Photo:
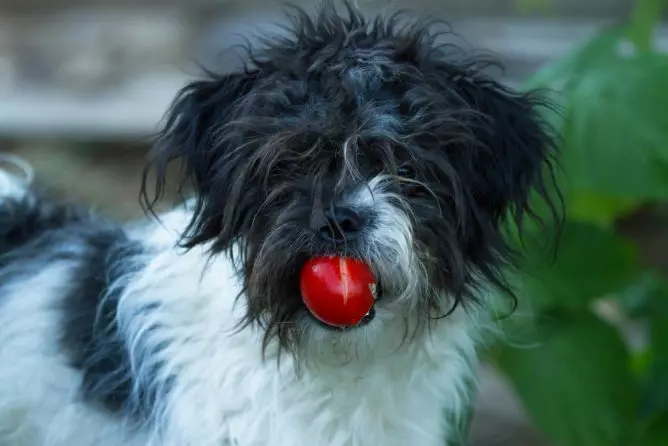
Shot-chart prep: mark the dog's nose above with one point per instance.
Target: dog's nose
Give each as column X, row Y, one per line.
column 341, row 223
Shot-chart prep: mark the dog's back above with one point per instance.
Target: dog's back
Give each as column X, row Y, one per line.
column 50, row 287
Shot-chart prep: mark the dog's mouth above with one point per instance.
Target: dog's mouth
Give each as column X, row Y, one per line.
column 366, row 320
column 377, row 288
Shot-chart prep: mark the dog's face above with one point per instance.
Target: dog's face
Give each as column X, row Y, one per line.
column 363, row 139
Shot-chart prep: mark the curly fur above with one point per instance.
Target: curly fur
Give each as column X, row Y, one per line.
column 343, row 136
column 335, row 102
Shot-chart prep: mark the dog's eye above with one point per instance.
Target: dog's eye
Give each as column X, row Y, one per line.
column 409, row 184
column 415, row 190
column 406, row 172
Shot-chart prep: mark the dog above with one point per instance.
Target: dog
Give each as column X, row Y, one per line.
column 346, row 135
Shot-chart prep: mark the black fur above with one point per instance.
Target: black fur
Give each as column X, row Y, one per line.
column 35, row 233
column 263, row 149
column 24, row 222
column 90, row 329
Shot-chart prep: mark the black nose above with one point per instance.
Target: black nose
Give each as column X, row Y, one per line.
column 341, row 223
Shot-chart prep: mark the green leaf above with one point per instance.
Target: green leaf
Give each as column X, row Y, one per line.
column 648, row 299
column 576, row 383
column 586, row 206
column 645, row 16
column 655, row 433
column 616, row 128
column 614, row 123
column 598, row 209
column 560, row 73
column 656, row 394
column 640, row 361
column 591, row 262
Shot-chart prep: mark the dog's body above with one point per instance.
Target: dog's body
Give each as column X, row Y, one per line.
column 348, row 138
column 224, row 389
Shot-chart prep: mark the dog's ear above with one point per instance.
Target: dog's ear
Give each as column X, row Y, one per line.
column 515, row 151
column 191, row 137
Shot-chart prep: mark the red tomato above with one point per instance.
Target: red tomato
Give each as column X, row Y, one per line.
column 339, row 291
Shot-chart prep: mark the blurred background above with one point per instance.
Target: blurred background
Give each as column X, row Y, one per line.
column 84, row 83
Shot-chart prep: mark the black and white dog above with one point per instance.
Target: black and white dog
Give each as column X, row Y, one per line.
column 347, row 136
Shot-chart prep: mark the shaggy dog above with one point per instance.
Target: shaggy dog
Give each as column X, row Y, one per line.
column 344, row 136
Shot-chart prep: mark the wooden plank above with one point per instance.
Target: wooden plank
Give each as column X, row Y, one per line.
column 568, row 8
column 132, row 110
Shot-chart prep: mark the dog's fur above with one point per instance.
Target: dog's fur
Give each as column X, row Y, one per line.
column 346, row 136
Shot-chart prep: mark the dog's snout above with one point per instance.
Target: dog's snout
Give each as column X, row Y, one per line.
column 341, row 223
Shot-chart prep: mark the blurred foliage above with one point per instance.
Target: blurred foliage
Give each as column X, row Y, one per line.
column 580, row 379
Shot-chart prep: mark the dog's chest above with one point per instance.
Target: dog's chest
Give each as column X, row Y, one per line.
column 221, row 391
column 399, row 402
column 372, row 410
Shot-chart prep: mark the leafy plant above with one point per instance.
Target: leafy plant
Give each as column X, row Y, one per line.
column 576, row 373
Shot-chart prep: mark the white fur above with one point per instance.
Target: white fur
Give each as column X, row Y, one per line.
column 221, row 390
column 392, row 238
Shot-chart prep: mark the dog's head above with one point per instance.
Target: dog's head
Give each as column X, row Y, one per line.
column 361, row 138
